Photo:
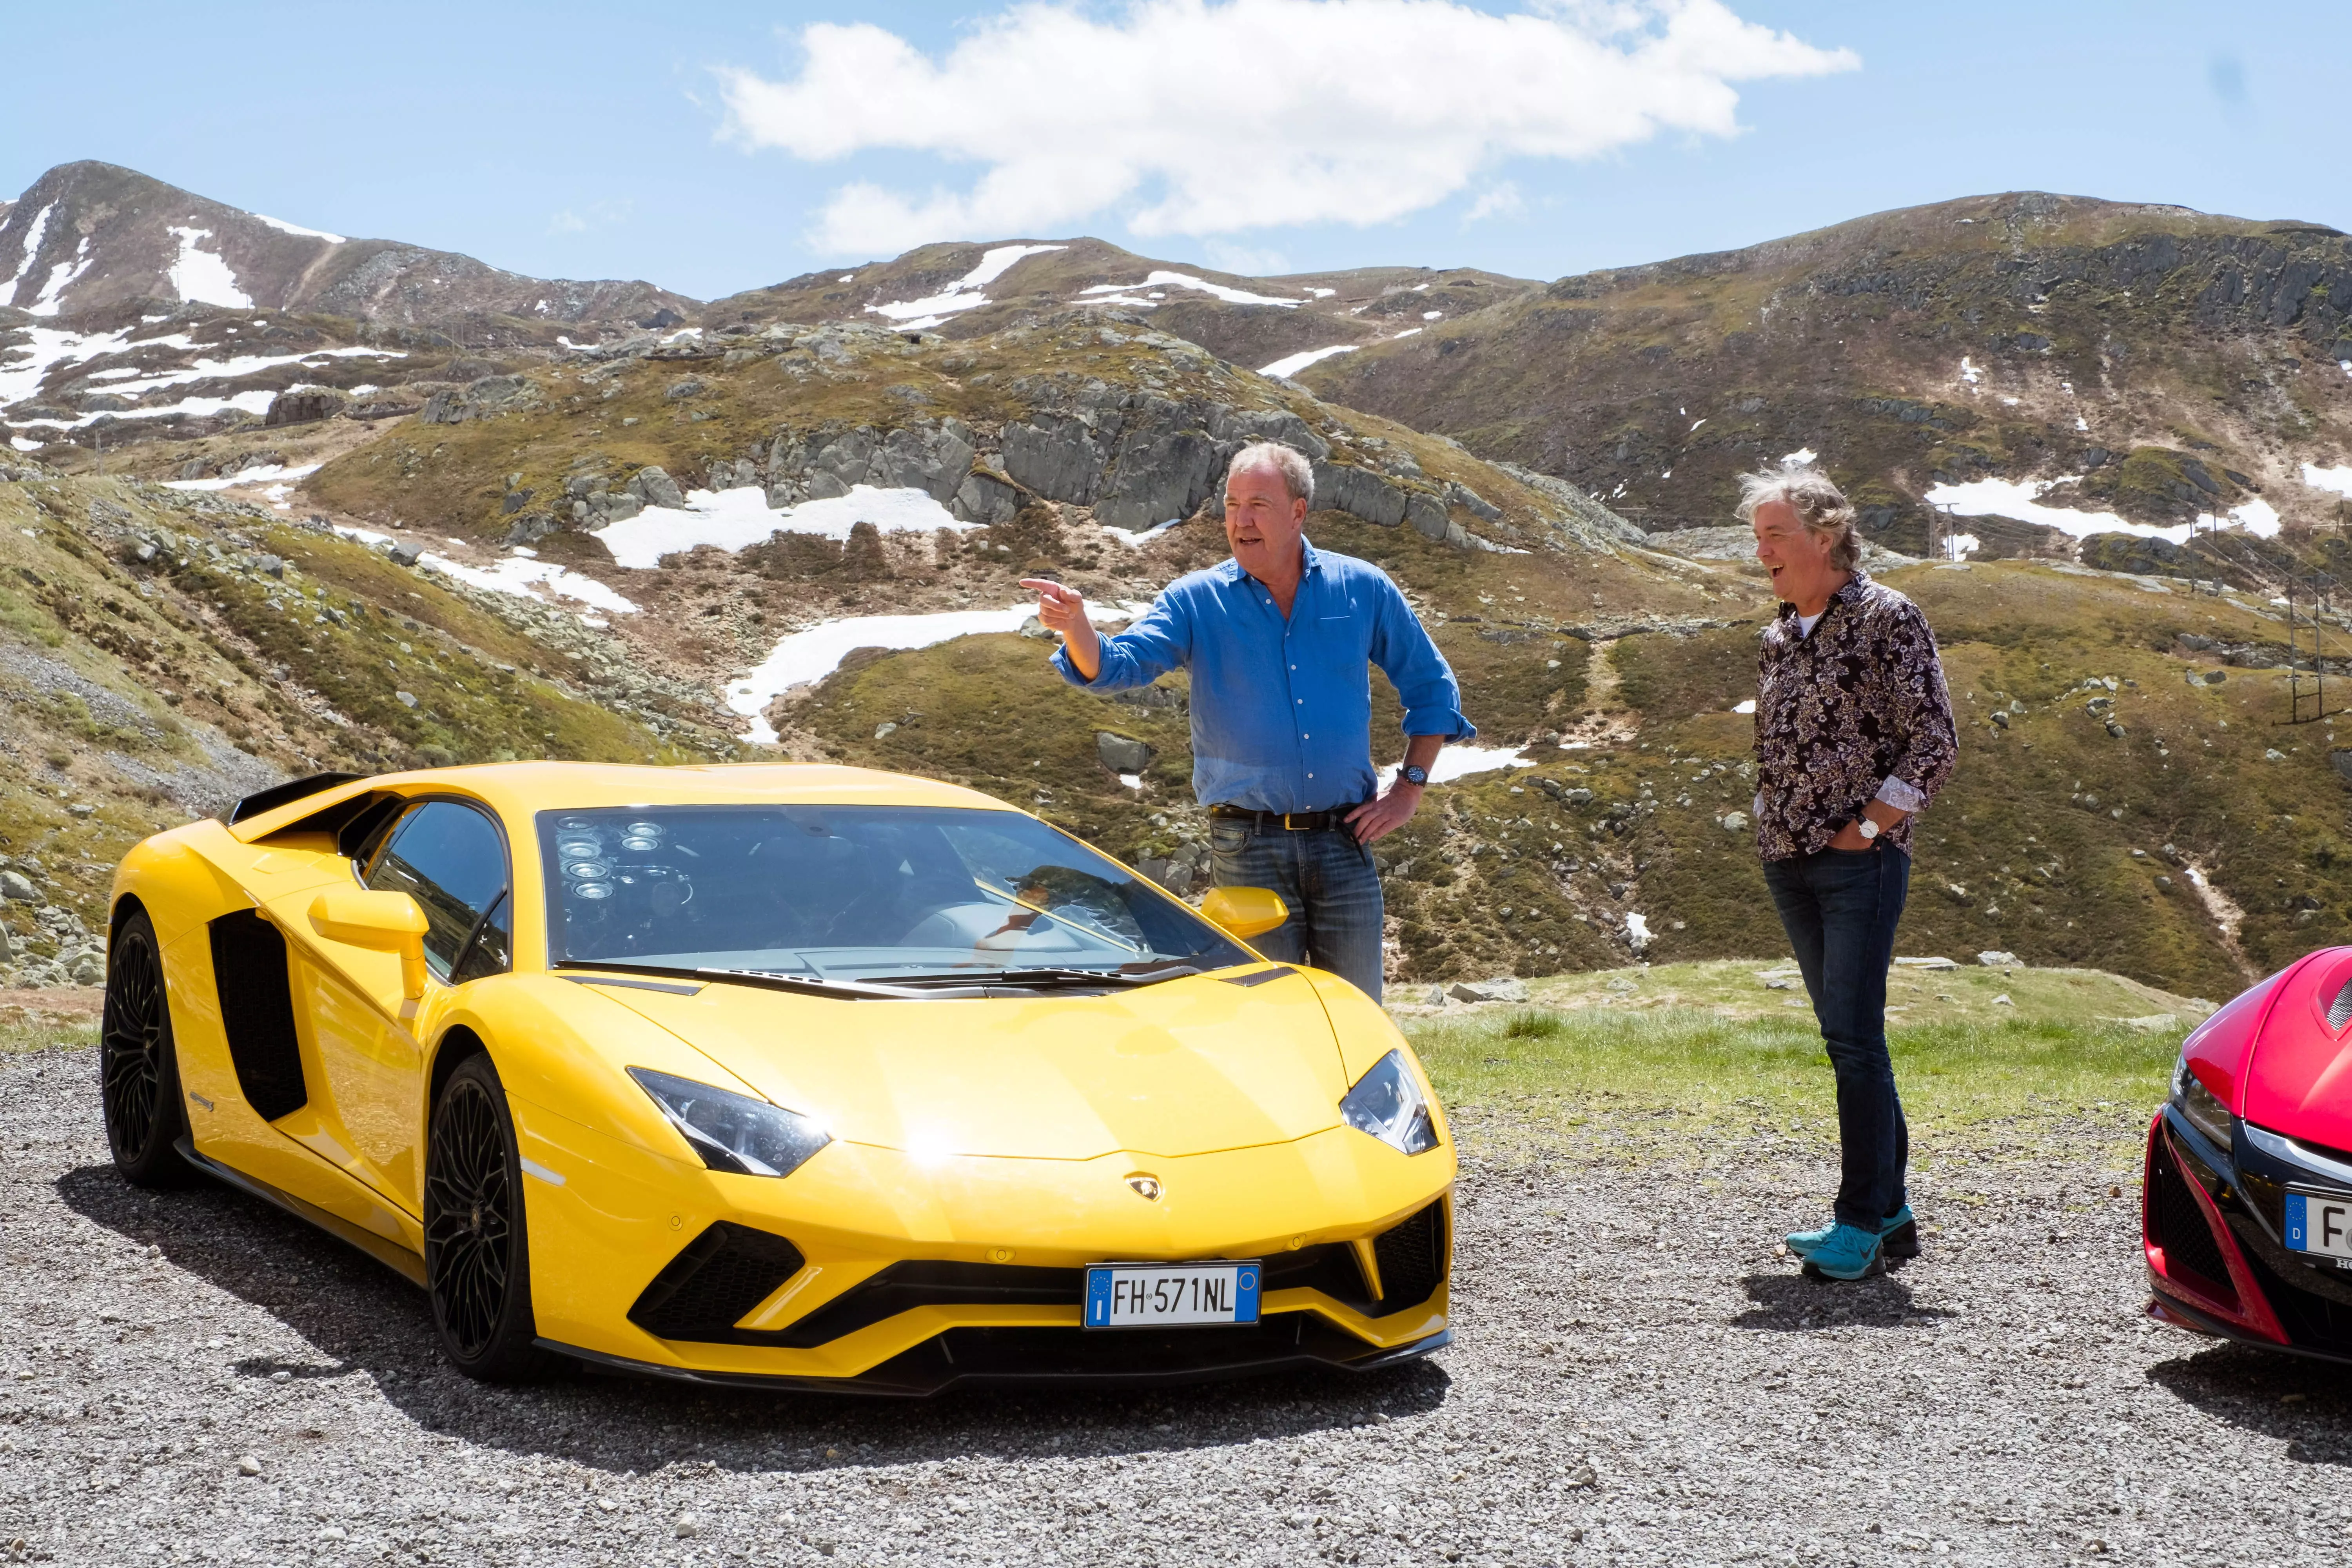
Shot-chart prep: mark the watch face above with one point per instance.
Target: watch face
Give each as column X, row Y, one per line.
column 1416, row 775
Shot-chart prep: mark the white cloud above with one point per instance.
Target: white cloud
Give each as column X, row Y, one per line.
column 1359, row 110
column 1501, row 199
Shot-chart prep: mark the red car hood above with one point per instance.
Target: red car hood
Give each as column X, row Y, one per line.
column 2298, row 1078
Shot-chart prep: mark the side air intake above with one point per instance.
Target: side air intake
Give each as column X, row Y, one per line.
column 1413, row 1257
column 721, row 1274
column 256, row 1005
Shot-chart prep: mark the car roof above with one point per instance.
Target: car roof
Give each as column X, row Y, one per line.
column 516, row 790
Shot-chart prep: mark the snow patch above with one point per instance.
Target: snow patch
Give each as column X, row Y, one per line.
column 50, row 300
column 2022, row 500
column 1637, row 930
column 732, row 519
column 1961, row 546
column 33, row 237
column 1803, row 457
column 964, row 293
column 284, row 228
column 1461, row 761
column 253, row 476
column 203, row 276
column 2338, row 479
column 1408, row 332
column 233, row 369
column 24, row 446
column 1291, row 365
column 812, row 654
column 1135, row 538
column 1969, row 373
column 1162, row 279
column 1321, row 293
column 520, row 577
column 1746, row 706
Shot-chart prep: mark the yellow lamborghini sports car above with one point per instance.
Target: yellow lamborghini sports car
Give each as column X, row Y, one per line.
column 775, row 1074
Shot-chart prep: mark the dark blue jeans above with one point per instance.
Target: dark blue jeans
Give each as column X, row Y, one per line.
column 1326, row 882
column 1839, row 908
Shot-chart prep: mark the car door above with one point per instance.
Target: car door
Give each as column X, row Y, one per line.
column 451, row 857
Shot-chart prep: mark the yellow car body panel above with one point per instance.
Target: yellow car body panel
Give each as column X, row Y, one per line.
column 985, row 1133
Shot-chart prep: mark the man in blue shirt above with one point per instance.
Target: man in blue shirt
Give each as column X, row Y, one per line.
column 1278, row 640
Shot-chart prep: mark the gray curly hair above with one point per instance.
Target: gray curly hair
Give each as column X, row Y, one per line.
column 1819, row 505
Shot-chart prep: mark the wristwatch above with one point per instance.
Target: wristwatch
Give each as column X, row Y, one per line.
column 1416, row 776
column 1866, row 828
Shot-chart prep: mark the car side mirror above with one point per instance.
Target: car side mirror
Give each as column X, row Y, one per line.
column 1244, row 912
column 380, row 923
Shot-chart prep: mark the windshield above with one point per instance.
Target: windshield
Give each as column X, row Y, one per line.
column 853, row 892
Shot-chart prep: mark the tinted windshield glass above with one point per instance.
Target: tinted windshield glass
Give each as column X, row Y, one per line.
column 853, row 892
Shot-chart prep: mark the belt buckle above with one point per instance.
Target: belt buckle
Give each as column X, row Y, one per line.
column 1285, row 823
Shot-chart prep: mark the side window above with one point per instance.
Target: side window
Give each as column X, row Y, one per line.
column 451, row 861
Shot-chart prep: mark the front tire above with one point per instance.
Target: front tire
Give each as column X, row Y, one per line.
column 477, row 1249
column 138, row 1068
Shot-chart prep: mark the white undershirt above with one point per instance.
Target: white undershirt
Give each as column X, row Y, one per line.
column 1805, row 625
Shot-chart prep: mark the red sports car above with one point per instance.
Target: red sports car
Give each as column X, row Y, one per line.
column 2246, row 1195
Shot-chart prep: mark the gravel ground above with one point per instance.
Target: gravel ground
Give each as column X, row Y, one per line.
column 1636, row 1379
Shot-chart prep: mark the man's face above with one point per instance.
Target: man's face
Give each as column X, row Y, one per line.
column 1797, row 557
column 1263, row 521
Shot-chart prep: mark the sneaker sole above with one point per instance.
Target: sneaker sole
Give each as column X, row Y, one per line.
column 1902, row 1241
column 1877, row 1265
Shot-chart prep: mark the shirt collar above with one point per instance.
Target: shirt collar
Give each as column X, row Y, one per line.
column 1855, row 586
column 1310, row 563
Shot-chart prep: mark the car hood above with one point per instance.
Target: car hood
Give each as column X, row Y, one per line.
column 1185, row 1067
column 2298, row 1078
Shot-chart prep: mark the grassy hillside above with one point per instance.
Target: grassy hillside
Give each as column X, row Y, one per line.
column 161, row 654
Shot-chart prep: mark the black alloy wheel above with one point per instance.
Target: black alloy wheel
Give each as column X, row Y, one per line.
column 477, row 1255
column 139, row 1075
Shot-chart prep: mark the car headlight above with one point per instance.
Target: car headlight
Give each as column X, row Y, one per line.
column 1387, row 1103
column 733, row 1131
column 2199, row 1104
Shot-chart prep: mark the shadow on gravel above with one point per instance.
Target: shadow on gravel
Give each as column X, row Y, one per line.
column 1794, row 1303
column 2306, row 1405
column 362, row 1321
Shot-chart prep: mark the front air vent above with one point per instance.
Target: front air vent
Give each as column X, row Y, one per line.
column 256, row 1006
column 1412, row 1257
column 2181, row 1230
column 922, row 1282
column 2340, row 1012
column 721, row 1275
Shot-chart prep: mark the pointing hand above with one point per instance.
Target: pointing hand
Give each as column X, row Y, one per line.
column 1062, row 609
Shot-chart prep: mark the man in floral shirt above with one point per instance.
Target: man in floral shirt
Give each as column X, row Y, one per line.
column 1853, row 738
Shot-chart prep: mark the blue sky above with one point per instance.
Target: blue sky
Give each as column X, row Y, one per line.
column 595, row 139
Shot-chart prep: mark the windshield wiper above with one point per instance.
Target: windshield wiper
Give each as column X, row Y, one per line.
column 842, row 990
column 1050, row 978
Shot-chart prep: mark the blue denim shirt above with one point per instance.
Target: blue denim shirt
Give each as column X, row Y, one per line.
column 1282, row 709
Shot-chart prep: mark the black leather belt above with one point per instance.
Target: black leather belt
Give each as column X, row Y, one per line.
column 1285, row 821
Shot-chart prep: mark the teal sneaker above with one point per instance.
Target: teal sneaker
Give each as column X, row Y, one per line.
column 1899, row 1234
column 1850, row 1253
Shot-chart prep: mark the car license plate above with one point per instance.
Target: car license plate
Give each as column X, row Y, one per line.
column 2319, row 1221
column 1165, row 1295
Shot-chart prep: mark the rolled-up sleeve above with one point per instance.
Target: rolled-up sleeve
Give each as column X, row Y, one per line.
column 1920, row 710
column 1404, row 649
column 1158, row 640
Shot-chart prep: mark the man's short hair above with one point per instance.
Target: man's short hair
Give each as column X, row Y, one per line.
column 1297, row 474
column 1819, row 505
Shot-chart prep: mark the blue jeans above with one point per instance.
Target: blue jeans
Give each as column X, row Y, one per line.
column 1326, row 882
column 1839, row 907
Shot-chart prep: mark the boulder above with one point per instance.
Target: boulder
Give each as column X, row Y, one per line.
column 302, row 405
column 1992, row 960
column 685, row 387
column 1504, row 988
column 985, row 499
column 1471, row 502
column 1425, row 514
column 1237, row 427
column 17, row 888
column 654, row 487
column 847, row 457
column 1157, row 476
column 1360, row 492
column 1054, row 456
column 1121, row 754
column 482, row 398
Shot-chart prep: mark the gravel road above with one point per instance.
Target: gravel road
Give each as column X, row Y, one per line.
column 1636, row 1379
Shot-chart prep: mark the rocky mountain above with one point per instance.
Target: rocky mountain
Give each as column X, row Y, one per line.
column 252, row 542
column 1265, row 323
column 2029, row 371
column 88, row 238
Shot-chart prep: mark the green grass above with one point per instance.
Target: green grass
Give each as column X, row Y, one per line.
column 22, row 1032
column 1693, row 1050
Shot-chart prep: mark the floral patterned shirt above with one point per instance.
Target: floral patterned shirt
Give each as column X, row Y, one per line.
column 1856, row 711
